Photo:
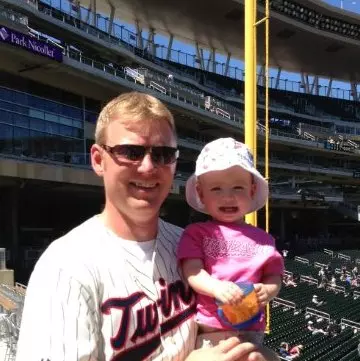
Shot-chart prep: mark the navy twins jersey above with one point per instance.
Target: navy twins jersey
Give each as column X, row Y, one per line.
column 88, row 300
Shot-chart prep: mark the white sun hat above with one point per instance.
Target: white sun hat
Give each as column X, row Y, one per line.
column 221, row 154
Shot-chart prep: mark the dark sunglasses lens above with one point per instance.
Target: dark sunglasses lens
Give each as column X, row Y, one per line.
column 164, row 155
column 130, row 152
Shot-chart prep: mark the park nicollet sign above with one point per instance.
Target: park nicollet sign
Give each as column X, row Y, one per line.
column 29, row 43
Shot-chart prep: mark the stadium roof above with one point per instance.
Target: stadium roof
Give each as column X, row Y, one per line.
column 295, row 46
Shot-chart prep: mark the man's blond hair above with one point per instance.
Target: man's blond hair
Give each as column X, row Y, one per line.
column 133, row 109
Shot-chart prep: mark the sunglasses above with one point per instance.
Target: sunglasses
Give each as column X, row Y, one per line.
column 160, row 155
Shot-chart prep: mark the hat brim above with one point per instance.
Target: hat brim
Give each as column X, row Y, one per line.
column 259, row 200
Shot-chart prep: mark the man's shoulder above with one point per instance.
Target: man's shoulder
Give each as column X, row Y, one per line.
column 72, row 249
column 169, row 232
column 84, row 234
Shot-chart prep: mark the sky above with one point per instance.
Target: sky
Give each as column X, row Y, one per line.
column 349, row 5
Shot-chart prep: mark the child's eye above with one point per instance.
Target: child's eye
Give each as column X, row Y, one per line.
column 238, row 188
column 215, row 189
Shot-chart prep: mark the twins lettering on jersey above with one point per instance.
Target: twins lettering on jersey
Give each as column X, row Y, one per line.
column 173, row 298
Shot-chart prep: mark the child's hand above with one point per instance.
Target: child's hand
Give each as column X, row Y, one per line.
column 227, row 292
column 262, row 294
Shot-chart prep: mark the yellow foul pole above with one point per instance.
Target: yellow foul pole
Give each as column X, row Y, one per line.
column 250, row 84
column 251, row 24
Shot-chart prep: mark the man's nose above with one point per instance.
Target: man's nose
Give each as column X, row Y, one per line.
column 147, row 165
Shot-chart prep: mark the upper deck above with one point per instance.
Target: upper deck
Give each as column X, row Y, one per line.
column 308, row 36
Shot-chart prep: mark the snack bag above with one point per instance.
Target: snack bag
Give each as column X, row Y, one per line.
column 243, row 314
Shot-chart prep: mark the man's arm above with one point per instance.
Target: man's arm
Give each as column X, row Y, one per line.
column 60, row 320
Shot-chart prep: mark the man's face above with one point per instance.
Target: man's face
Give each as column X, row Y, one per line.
column 136, row 189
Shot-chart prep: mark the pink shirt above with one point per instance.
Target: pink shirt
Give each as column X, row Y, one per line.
column 230, row 252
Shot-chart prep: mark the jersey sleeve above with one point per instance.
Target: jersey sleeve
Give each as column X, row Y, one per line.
column 190, row 244
column 60, row 321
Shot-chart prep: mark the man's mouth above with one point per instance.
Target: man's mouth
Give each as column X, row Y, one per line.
column 145, row 185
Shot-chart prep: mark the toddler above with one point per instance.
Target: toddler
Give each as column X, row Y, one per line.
column 217, row 254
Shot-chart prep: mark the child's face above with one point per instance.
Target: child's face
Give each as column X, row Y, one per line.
column 227, row 194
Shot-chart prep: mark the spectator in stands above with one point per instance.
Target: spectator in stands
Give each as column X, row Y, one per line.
column 217, row 254
column 322, row 272
column 289, row 281
column 170, row 78
column 315, row 330
column 355, row 272
column 323, row 283
column 295, row 352
column 334, row 328
column 285, row 253
column 284, row 349
column 333, row 281
column 348, row 280
column 316, row 301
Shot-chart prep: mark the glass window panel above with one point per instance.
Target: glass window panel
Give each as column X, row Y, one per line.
column 21, row 141
column 6, row 117
column 36, row 144
column 65, row 121
column 77, row 133
column 36, row 103
column 51, row 106
column 21, row 120
column 20, row 109
column 77, row 124
column 66, row 131
column 20, row 98
column 91, row 117
column 70, row 111
column 6, row 105
column 36, row 114
column 37, row 124
column 51, row 127
column 6, row 94
column 6, row 138
column 51, row 117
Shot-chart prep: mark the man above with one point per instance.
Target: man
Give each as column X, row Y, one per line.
column 110, row 289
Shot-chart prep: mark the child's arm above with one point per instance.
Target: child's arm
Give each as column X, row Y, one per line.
column 203, row 283
column 268, row 289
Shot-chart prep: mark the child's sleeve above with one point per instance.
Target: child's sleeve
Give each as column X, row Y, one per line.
column 190, row 244
column 275, row 263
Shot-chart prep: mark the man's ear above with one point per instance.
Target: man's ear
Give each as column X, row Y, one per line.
column 97, row 161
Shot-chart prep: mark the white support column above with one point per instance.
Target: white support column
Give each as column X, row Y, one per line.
column 94, row 15
column 213, row 52
column 87, row 19
column 168, row 54
column 328, row 93
column 315, row 86
column 260, row 77
column 226, row 71
column 139, row 38
column 151, row 42
column 210, row 59
column 305, row 82
column 277, row 82
column 200, row 57
column 354, row 91
column 111, row 19
column 153, row 45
